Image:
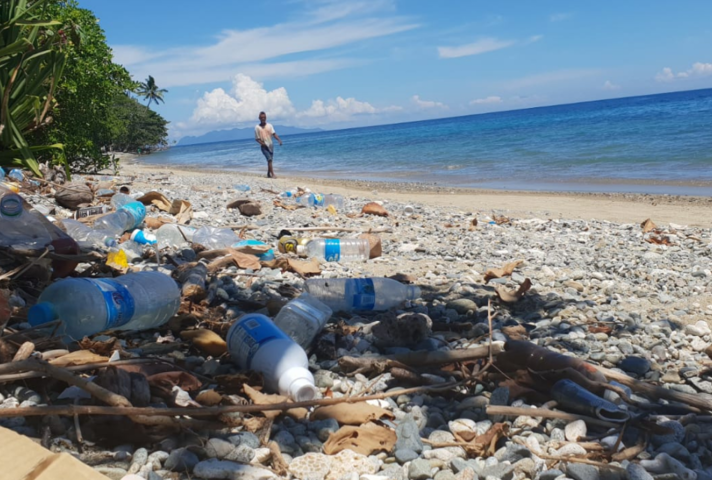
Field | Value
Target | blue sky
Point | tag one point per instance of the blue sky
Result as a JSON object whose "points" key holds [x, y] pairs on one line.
{"points": [[344, 63]]}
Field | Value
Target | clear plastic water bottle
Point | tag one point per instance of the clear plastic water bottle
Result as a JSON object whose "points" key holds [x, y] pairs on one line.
{"points": [[256, 343], [118, 200], [303, 318], [129, 215], [86, 306], [361, 294], [215, 238], [339, 249], [325, 201], [88, 236], [18, 227], [16, 175], [169, 235], [289, 194], [242, 188], [2, 174]]}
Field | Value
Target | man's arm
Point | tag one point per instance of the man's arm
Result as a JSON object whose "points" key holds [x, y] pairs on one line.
{"points": [[257, 137], [277, 137]]}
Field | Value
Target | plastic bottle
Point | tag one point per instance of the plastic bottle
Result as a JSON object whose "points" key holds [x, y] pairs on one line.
{"points": [[169, 235], [364, 294], [129, 215], [325, 201], [242, 188], [86, 306], [215, 238], [16, 175], [84, 234], [289, 194], [119, 200], [296, 245], [2, 174], [265, 257], [339, 249], [256, 343], [143, 238], [303, 318]]}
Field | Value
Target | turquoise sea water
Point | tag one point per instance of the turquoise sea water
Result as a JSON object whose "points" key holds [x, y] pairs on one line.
{"points": [[652, 144]]}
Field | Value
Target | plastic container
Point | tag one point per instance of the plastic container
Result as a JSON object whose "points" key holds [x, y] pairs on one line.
{"points": [[88, 236], [293, 245], [242, 188], [265, 257], [2, 174], [303, 318], [289, 194], [129, 215], [215, 238], [86, 306], [339, 249], [16, 175], [118, 200], [361, 294], [143, 238], [256, 343], [169, 235], [325, 201]]}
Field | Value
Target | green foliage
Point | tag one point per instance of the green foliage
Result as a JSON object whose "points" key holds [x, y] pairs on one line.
{"points": [[137, 126], [91, 89], [150, 91], [32, 58]]}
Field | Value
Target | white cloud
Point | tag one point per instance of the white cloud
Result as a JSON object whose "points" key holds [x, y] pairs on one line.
{"points": [[608, 85], [426, 104], [487, 100], [549, 77], [560, 17], [534, 38], [220, 109], [698, 69], [330, 25], [484, 45]]}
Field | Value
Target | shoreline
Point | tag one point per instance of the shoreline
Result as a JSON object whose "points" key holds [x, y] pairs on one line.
{"points": [[615, 207]]}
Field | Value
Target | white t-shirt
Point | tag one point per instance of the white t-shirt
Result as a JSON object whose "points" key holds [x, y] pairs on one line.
{"points": [[265, 134]]}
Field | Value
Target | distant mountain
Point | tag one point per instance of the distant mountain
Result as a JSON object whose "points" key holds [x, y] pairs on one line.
{"points": [[239, 134]]}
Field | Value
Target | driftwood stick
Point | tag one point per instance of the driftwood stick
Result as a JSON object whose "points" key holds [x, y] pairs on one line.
{"points": [[207, 411], [8, 370], [418, 359], [541, 412], [339, 229], [657, 393]]}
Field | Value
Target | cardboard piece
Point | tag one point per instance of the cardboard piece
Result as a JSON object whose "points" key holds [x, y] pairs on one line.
{"points": [[22, 459]]}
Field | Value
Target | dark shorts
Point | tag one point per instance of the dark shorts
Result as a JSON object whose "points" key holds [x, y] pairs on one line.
{"points": [[267, 153]]}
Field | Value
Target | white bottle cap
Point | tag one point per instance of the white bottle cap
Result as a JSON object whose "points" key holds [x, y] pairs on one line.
{"points": [[298, 383]]}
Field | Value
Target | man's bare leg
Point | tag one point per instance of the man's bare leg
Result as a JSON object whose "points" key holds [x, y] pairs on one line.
{"points": [[270, 171]]}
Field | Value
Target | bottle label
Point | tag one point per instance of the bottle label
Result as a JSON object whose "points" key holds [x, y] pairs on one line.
{"points": [[248, 335], [318, 199], [120, 306], [364, 294], [137, 211], [332, 249]]}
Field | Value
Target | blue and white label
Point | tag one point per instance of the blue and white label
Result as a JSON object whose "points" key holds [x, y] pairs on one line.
{"points": [[318, 199], [332, 249], [120, 305], [364, 294], [249, 334], [137, 211]]}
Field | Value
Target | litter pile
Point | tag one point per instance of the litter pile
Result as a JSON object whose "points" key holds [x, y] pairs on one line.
{"points": [[292, 334]]}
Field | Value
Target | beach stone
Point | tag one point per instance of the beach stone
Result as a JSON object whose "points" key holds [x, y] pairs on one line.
{"points": [[575, 430], [241, 454], [676, 437], [636, 472], [181, 460], [699, 329], [552, 474], [113, 473], [419, 469], [462, 305], [502, 471], [408, 435], [444, 475], [570, 449], [466, 474], [226, 470], [348, 462], [245, 438], [637, 365], [404, 455], [218, 448], [581, 471]]}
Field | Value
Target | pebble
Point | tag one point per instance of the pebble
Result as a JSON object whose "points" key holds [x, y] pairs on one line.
{"points": [[637, 365], [181, 460], [575, 430], [419, 469], [408, 435], [223, 469]]}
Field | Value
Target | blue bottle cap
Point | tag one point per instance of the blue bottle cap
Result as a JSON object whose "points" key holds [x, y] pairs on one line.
{"points": [[41, 313]]}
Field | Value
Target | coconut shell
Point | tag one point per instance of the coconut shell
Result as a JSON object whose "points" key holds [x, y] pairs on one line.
{"points": [[374, 209], [73, 195]]}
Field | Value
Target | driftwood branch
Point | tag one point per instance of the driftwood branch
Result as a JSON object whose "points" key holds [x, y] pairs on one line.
{"points": [[339, 229], [543, 413]]}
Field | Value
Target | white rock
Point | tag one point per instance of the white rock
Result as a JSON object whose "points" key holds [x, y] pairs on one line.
{"points": [[575, 430]]}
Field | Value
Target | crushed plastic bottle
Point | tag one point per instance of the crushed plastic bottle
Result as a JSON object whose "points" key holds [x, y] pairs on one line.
{"points": [[242, 188], [303, 318], [169, 235], [86, 306], [215, 238], [86, 235], [129, 214], [325, 201], [289, 193], [16, 175], [256, 343], [339, 249], [361, 294], [264, 257]]}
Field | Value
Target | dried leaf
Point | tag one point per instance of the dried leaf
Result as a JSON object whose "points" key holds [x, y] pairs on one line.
{"points": [[154, 223], [255, 424], [280, 204], [505, 271], [600, 328], [107, 347], [7, 351], [157, 199], [209, 398], [648, 225], [516, 332], [486, 444], [366, 439], [509, 296], [260, 398], [80, 357], [182, 209], [351, 414], [304, 267], [5, 309], [374, 209], [500, 219], [167, 380], [206, 341], [658, 240]]}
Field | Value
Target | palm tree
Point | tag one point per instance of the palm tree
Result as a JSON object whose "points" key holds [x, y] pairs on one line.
{"points": [[150, 91]]}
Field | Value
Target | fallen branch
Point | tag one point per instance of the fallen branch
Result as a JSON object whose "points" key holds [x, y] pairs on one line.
{"points": [[339, 229], [417, 359], [542, 413]]}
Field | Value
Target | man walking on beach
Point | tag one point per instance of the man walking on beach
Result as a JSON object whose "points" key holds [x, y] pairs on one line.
{"points": [[263, 135]]}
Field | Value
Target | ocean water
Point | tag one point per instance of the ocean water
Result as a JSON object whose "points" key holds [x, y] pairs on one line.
{"points": [[650, 144]]}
